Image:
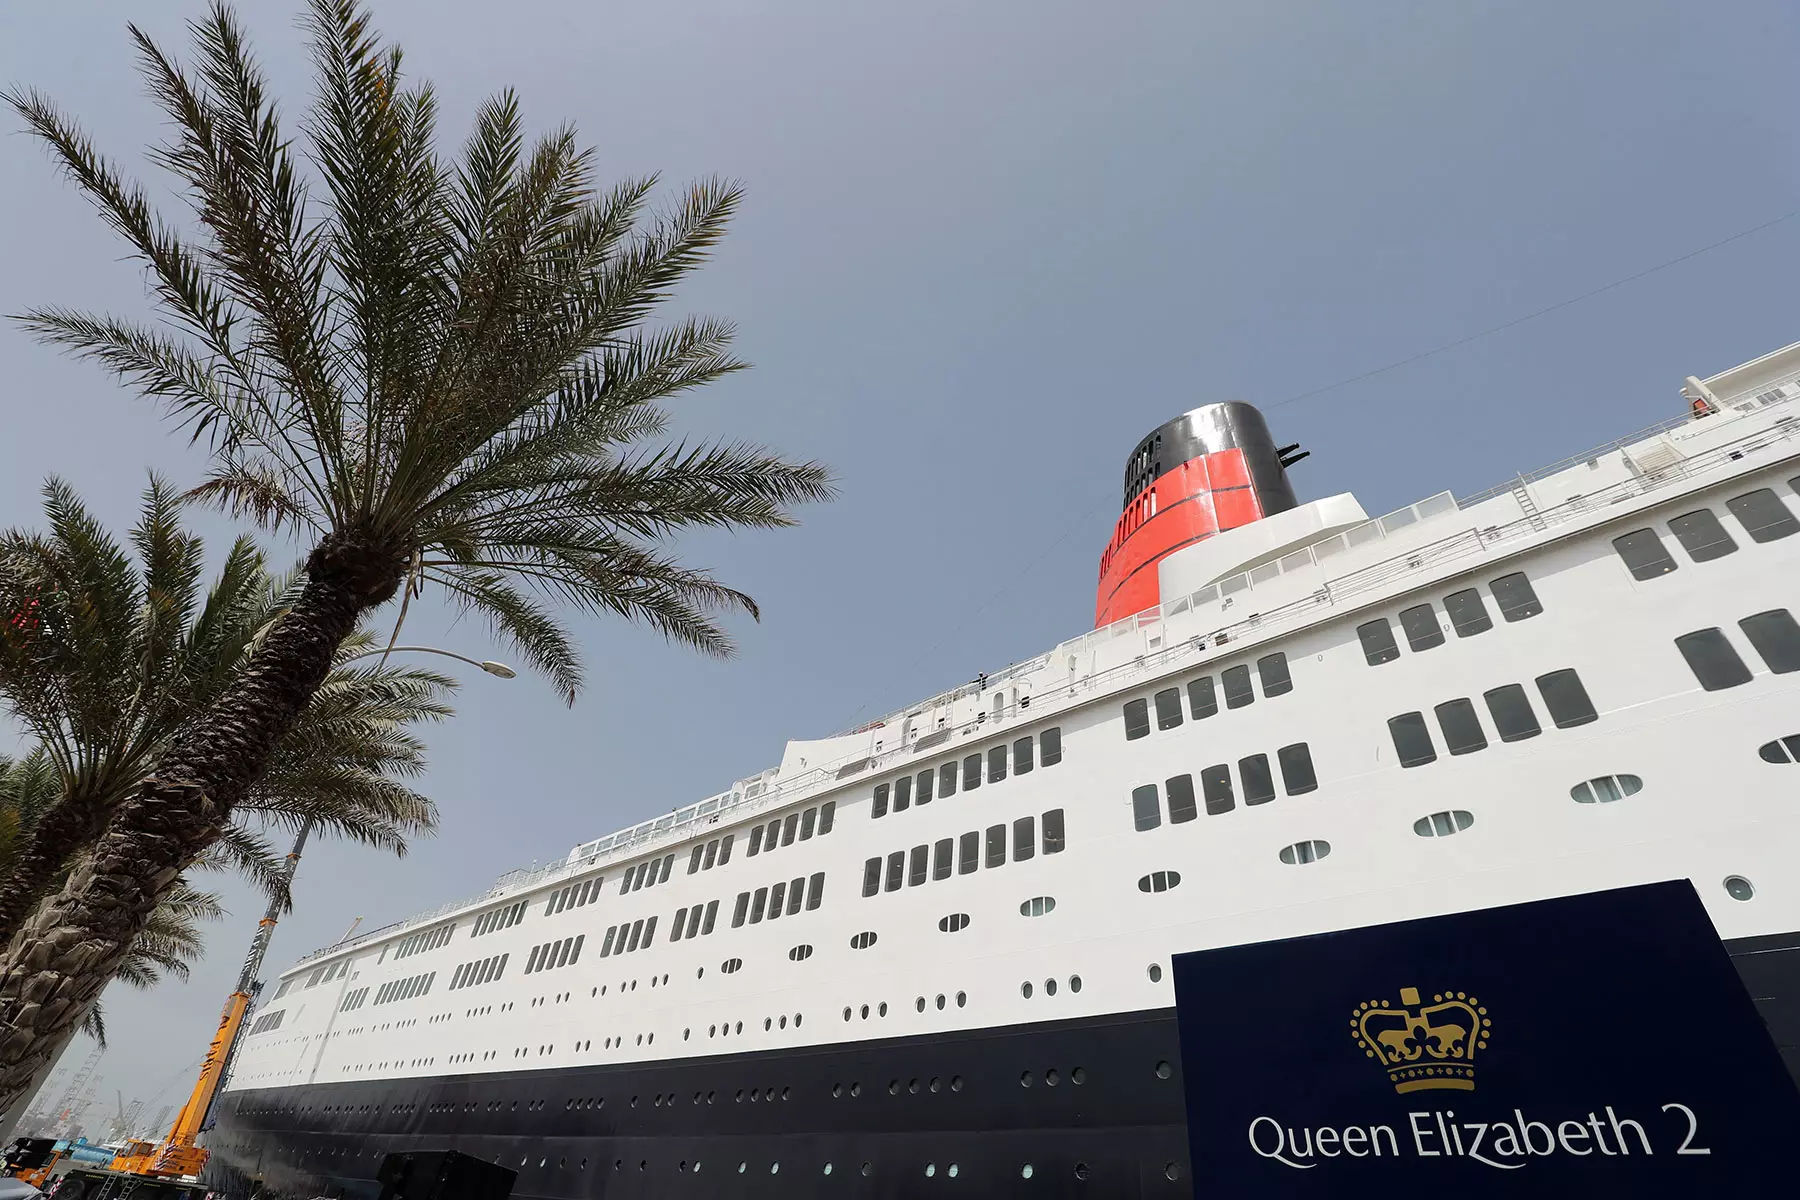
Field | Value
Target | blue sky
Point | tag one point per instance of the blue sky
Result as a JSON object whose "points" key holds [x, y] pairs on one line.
{"points": [[985, 248]]}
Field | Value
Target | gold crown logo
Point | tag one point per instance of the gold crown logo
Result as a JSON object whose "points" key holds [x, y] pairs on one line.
{"points": [[1423, 1045]]}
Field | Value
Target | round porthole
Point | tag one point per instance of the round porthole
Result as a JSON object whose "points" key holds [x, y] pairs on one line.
{"points": [[1155, 972], [919, 1004], [1025, 989], [1739, 888], [1164, 1070]]}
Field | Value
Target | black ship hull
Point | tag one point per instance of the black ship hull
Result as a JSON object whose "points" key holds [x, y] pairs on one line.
{"points": [[1089, 1107]]}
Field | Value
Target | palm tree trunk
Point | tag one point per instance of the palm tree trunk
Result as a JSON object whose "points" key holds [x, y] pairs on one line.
{"points": [[68, 826], [66, 953]]}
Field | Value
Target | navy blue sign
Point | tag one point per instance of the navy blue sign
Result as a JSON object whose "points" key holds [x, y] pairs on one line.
{"points": [[1598, 1045]]}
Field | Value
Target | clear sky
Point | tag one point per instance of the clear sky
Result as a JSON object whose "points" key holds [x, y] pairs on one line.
{"points": [[986, 247]]}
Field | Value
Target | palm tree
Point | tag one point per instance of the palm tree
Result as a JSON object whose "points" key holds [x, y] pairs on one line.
{"points": [[435, 371], [106, 660]]}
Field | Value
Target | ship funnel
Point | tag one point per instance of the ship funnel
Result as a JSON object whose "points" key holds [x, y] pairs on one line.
{"points": [[1211, 469]]}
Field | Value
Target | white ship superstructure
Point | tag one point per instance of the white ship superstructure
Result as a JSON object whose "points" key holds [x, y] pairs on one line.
{"points": [[937, 946]]}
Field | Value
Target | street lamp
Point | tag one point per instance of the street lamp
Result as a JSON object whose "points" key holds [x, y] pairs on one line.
{"points": [[499, 669]]}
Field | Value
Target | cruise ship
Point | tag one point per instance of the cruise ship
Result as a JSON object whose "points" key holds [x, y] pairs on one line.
{"points": [[931, 955]]}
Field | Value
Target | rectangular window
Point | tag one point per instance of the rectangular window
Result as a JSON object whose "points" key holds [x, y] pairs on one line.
{"points": [[1297, 774], [1420, 624], [808, 819], [777, 894], [1137, 719], [712, 910], [712, 855], [1462, 728], [1182, 808], [637, 933], [968, 852], [996, 763], [1644, 554], [1202, 698], [625, 880], [1377, 638], [916, 874], [926, 778], [1053, 832], [725, 849], [789, 828], [606, 947], [943, 854], [1168, 708], [1712, 659], [568, 947], [1259, 781], [649, 933], [693, 925], [1701, 535], [903, 793], [996, 846], [1775, 637], [1146, 809], [1024, 838], [1762, 514], [675, 926], [771, 833], [1468, 615], [694, 858], [947, 778], [580, 940], [742, 909], [815, 890], [1236, 684], [971, 772], [877, 808], [1022, 763], [1272, 669], [1412, 741], [827, 814], [1515, 596], [1215, 789], [872, 875], [1566, 699], [532, 961], [758, 903], [896, 871], [756, 831], [1513, 715], [796, 894], [1050, 747]]}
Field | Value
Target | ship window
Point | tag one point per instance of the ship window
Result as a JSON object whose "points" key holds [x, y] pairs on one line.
{"points": [[1301, 853], [741, 911], [1420, 624], [1762, 514], [971, 773], [1024, 838], [800, 953], [712, 855], [815, 890], [1712, 659], [827, 815], [1781, 750], [1606, 789], [1022, 763], [1146, 812], [606, 947], [693, 861], [1738, 888], [1202, 698], [947, 778], [1512, 712], [1259, 783], [1566, 699], [954, 923], [758, 904], [777, 895], [996, 763], [1159, 881], [1443, 824], [920, 865], [1272, 669], [774, 831], [637, 933], [996, 846], [1038, 906], [942, 856], [896, 871], [1297, 774], [1236, 683], [1515, 596], [789, 827], [1462, 728], [926, 778], [1412, 741], [1701, 535], [968, 852], [1378, 643], [712, 910], [693, 925], [1215, 788], [877, 809], [1168, 708], [1053, 831], [872, 876], [1137, 719], [1181, 799], [796, 893], [903, 793], [1776, 637], [1050, 747], [675, 926], [808, 820], [1468, 615], [1644, 554], [756, 832], [532, 961], [731, 966], [863, 940]]}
